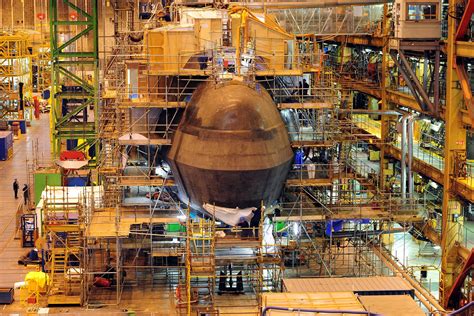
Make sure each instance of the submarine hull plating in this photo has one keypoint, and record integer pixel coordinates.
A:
(231, 148)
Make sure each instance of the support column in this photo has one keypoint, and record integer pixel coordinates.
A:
(455, 141)
(383, 86)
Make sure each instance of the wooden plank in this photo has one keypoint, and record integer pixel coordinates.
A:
(311, 143)
(391, 305)
(64, 300)
(301, 218)
(308, 182)
(378, 283)
(306, 105)
(152, 104)
(103, 224)
(321, 300)
(145, 142)
(144, 181)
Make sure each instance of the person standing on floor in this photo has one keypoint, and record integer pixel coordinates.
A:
(16, 187)
(26, 193)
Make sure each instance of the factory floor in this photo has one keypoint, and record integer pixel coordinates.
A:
(16, 167)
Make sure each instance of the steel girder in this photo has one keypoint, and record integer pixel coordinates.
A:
(75, 61)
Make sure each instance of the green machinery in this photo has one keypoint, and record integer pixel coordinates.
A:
(75, 75)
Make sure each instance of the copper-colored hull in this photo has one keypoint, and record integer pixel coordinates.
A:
(231, 147)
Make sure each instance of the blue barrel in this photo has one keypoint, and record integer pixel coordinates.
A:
(6, 145)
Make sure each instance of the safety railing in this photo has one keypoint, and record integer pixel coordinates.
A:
(187, 62)
(220, 60)
(374, 127)
(297, 90)
(316, 170)
(469, 179)
(363, 169)
(357, 203)
(147, 133)
(342, 20)
(424, 155)
(467, 236)
(310, 133)
(176, 93)
(364, 122)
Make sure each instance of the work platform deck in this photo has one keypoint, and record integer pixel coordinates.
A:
(424, 162)
(145, 181)
(107, 225)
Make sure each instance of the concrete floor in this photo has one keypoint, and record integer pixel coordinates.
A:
(16, 167)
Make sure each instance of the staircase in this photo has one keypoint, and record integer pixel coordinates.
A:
(200, 264)
(62, 222)
(65, 274)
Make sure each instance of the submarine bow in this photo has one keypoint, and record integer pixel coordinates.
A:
(231, 148)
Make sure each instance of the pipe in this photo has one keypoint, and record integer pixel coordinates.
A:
(407, 149)
(403, 160)
(436, 81)
(308, 3)
(306, 310)
(466, 307)
(411, 182)
(361, 111)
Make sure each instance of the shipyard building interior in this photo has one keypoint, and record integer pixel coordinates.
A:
(221, 157)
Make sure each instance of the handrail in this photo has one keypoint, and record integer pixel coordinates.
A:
(326, 311)
(467, 307)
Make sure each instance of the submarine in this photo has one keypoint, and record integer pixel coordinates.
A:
(231, 148)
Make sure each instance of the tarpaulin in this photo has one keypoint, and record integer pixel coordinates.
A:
(39, 278)
(338, 225)
(230, 216)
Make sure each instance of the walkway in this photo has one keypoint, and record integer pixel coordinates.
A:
(373, 127)
(10, 248)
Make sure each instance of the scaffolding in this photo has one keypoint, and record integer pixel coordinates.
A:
(142, 235)
(334, 248)
(75, 77)
(42, 72)
(15, 75)
(63, 226)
